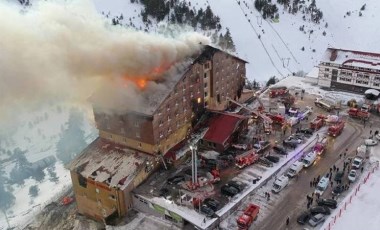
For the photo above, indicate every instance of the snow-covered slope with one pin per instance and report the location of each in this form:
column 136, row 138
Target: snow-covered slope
column 278, row 51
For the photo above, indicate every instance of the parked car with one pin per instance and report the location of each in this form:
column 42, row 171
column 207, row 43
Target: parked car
column 352, row 175
column 237, row 185
column 308, row 132
column 317, row 219
column 264, row 161
column 176, row 179
column 240, row 146
column 212, row 203
column 164, row 192
column 304, row 217
column 337, row 190
column 279, row 150
column 339, row 175
column 370, row 142
column 357, row 162
column 290, row 143
column 273, row 159
column 228, row 190
column 328, row 203
column 207, row 211
column 320, row 209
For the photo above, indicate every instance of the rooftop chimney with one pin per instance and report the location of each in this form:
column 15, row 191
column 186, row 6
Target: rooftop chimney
column 334, row 54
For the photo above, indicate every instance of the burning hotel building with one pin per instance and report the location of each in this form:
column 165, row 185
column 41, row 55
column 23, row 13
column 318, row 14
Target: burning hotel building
column 131, row 145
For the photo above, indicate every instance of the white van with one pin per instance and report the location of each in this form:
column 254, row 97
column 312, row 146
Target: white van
column 295, row 168
column 280, row 184
column 322, row 185
column 309, row 159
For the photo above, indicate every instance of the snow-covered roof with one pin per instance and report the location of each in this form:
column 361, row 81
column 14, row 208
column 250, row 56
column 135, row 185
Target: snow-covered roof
column 108, row 163
column 313, row 73
column 372, row 91
column 352, row 58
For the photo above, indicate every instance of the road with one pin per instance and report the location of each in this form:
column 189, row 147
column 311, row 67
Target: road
column 294, row 202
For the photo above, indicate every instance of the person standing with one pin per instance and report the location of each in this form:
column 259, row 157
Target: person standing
column 287, row 221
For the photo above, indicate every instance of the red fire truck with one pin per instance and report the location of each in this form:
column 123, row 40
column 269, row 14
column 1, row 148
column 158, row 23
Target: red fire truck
column 274, row 92
column 320, row 146
column 277, row 118
column 246, row 159
column 336, row 129
column 357, row 113
column 317, row 123
column 249, row 215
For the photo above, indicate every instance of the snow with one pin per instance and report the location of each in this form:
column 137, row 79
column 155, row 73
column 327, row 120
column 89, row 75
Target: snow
column 362, row 211
column 372, row 91
column 38, row 132
column 313, row 73
column 352, row 58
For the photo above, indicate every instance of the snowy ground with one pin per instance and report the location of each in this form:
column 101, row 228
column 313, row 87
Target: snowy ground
column 38, row 134
column 362, row 212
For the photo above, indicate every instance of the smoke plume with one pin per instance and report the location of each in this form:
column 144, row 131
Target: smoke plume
column 65, row 50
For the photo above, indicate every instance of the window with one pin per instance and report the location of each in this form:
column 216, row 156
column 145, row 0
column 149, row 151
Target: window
column 96, row 190
column 161, row 135
column 82, row 181
column 205, row 85
column 205, row 75
column 327, row 69
column 167, row 107
column 138, row 134
column 168, row 118
column 206, row 66
column 136, row 124
column 112, row 197
column 140, row 145
column 161, row 123
column 376, row 84
column 205, row 94
column 184, row 98
column 326, row 75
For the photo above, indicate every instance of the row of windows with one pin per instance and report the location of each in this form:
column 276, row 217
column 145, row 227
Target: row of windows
column 345, row 79
column 362, row 82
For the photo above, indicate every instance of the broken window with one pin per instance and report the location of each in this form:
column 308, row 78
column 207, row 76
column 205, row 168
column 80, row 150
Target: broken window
column 82, row 181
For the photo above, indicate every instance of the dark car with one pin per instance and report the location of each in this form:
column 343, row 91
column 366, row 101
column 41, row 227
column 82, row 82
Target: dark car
column 290, row 143
column 308, row 132
column 328, row 203
column 320, row 209
column 264, row 161
column 304, row 217
column 237, row 185
column 228, row 190
column 207, row 211
column 176, row 179
column 210, row 163
column 279, row 150
column 164, row 192
column 212, row 203
column 339, row 175
column 274, row 159
column 337, row 190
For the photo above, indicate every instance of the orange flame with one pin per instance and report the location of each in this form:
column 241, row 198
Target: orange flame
column 142, row 81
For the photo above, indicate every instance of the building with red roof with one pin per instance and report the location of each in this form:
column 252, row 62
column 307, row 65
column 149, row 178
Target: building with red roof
column 222, row 130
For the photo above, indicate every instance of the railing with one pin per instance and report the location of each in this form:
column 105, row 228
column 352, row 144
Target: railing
column 347, row 201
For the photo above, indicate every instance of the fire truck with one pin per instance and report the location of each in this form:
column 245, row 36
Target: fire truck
column 357, row 113
column 276, row 118
column 250, row 214
column 336, row 129
column 246, row 159
column 280, row 91
column 317, row 123
column 320, row 146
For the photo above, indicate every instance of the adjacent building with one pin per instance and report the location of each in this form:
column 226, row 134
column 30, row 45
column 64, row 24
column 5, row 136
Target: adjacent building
column 130, row 145
column 349, row 70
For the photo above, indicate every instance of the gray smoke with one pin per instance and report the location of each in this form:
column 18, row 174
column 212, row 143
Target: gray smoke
column 65, row 50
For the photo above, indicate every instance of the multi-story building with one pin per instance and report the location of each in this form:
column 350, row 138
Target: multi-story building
column 166, row 119
column 129, row 144
column 349, row 70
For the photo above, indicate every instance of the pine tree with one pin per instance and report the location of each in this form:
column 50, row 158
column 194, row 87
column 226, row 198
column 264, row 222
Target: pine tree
column 72, row 139
column 271, row 81
column 6, row 198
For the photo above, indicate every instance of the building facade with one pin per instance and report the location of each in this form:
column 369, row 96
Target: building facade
column 349, row 70
column 211, row 78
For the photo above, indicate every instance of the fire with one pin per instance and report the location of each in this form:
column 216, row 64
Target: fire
column 142, row 81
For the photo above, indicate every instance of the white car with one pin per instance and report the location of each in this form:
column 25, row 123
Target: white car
column 377, row 136
column 240, row 146
column 370, row 142
column 357, row 162
column 352, row 175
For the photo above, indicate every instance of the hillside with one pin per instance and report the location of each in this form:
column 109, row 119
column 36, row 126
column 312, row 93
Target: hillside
column 278, row 51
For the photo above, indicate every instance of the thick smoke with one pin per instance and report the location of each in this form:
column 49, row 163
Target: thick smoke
column 65, row 50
